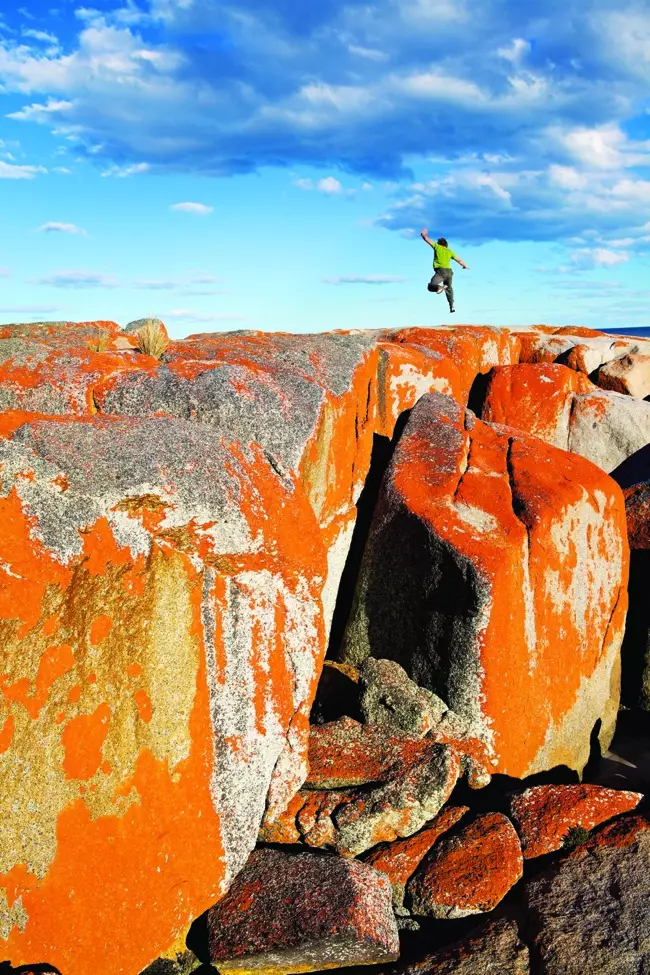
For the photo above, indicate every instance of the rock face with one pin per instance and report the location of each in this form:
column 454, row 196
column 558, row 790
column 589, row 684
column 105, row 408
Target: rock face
column 562, row 407
column 589, row 912
column 173, row 540
column 484, row 546
column 544, row 814
column 143, row 564
column 303, row 913
column 495, row 949
column 470, row 872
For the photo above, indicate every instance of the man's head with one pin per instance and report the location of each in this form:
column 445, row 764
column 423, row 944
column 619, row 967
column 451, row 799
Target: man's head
column 442, row 242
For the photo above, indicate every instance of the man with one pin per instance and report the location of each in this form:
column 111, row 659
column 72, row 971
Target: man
column 443, row 274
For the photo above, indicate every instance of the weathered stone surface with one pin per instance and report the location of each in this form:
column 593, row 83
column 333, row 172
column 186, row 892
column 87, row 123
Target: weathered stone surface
column 401, row 858
column 544, row 814
column 494, row 949
column 589, row 912
column 412, row 780
column 182, row 963
column 630, row 374
column 301, row 913
column 581, row 349
column 486, row 544
column 470, row 872
column 161, row 639
column 392, row 701
column 565, row 409
column 538, row 399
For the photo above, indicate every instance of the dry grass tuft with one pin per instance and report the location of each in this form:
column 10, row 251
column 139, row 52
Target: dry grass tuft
column 153, row 339
column 100, row 340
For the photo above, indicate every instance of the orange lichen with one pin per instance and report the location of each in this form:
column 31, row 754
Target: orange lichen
column 143, row 702
column 99, row 629
column 83, row 739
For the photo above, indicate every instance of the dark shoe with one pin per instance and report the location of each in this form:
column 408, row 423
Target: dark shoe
column 451, row 311
column 430, row 287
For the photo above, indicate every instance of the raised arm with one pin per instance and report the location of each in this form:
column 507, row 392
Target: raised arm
column 424, row 236
column 462, row 263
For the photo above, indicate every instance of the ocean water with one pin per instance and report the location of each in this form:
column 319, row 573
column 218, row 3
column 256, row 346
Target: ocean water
column 642, row 331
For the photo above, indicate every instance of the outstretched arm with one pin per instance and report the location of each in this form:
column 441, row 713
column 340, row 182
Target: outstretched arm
column 462, row 263
column 423, row 235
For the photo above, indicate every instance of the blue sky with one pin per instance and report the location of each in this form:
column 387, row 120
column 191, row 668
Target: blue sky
column 270, row 163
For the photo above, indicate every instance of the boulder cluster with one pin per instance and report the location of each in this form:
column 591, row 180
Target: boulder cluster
column 310, row 644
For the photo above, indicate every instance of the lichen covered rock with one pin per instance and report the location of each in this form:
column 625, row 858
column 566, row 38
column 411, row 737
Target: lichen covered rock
column 496, row 948
column 485, row 546
column 303, row 912
column 161, row 641
column 469, row 872
column 544, row 814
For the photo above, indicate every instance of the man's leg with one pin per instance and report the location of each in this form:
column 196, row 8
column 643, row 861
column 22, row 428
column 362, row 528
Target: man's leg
column 450, row 289
column 437, row 281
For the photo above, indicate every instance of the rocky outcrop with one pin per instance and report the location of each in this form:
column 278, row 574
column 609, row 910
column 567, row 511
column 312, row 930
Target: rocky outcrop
column 589, row 912
column 484, row 544
column 469, row 872
column 175, row 528
column 545, row 814
column 303, row 913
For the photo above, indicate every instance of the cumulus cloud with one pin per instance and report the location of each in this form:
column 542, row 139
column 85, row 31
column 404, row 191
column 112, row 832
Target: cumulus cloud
column 200, row 209
column 78, row 279
column 61, row 228
column 598, row 257
column 530, row 113
column 364, row 279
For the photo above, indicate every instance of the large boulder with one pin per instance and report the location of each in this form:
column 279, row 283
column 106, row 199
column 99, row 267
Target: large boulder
column 589, row 912
column 630, row 374
column 161, row 641
column 485, row 545
column 302, row 913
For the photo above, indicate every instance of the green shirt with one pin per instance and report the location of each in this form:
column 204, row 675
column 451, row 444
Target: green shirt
column 442, row 256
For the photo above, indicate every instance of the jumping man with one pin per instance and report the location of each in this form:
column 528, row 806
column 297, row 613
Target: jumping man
column 443, row 274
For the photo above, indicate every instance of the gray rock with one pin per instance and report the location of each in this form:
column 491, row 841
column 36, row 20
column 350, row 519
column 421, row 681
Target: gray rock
column 391, row 700
column 589, row 913
column 182, row 964
column 495, row 948
column 608, row 427
column 303, row 912
column 139, row 323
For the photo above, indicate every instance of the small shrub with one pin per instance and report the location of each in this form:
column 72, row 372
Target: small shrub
column 100, row 340
column 575, row 837
column 152, row 339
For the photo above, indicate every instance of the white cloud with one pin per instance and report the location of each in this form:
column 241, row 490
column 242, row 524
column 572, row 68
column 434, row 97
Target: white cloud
column 200, row 209
column 515, row 50
column 78, row 279
column 598, row 257
column 5, row 272
column 329, row 185
column 61, row 228
column 120, row 172
column 364, row 279
column 9, row 171
column 367, row 52
column 41, row 35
